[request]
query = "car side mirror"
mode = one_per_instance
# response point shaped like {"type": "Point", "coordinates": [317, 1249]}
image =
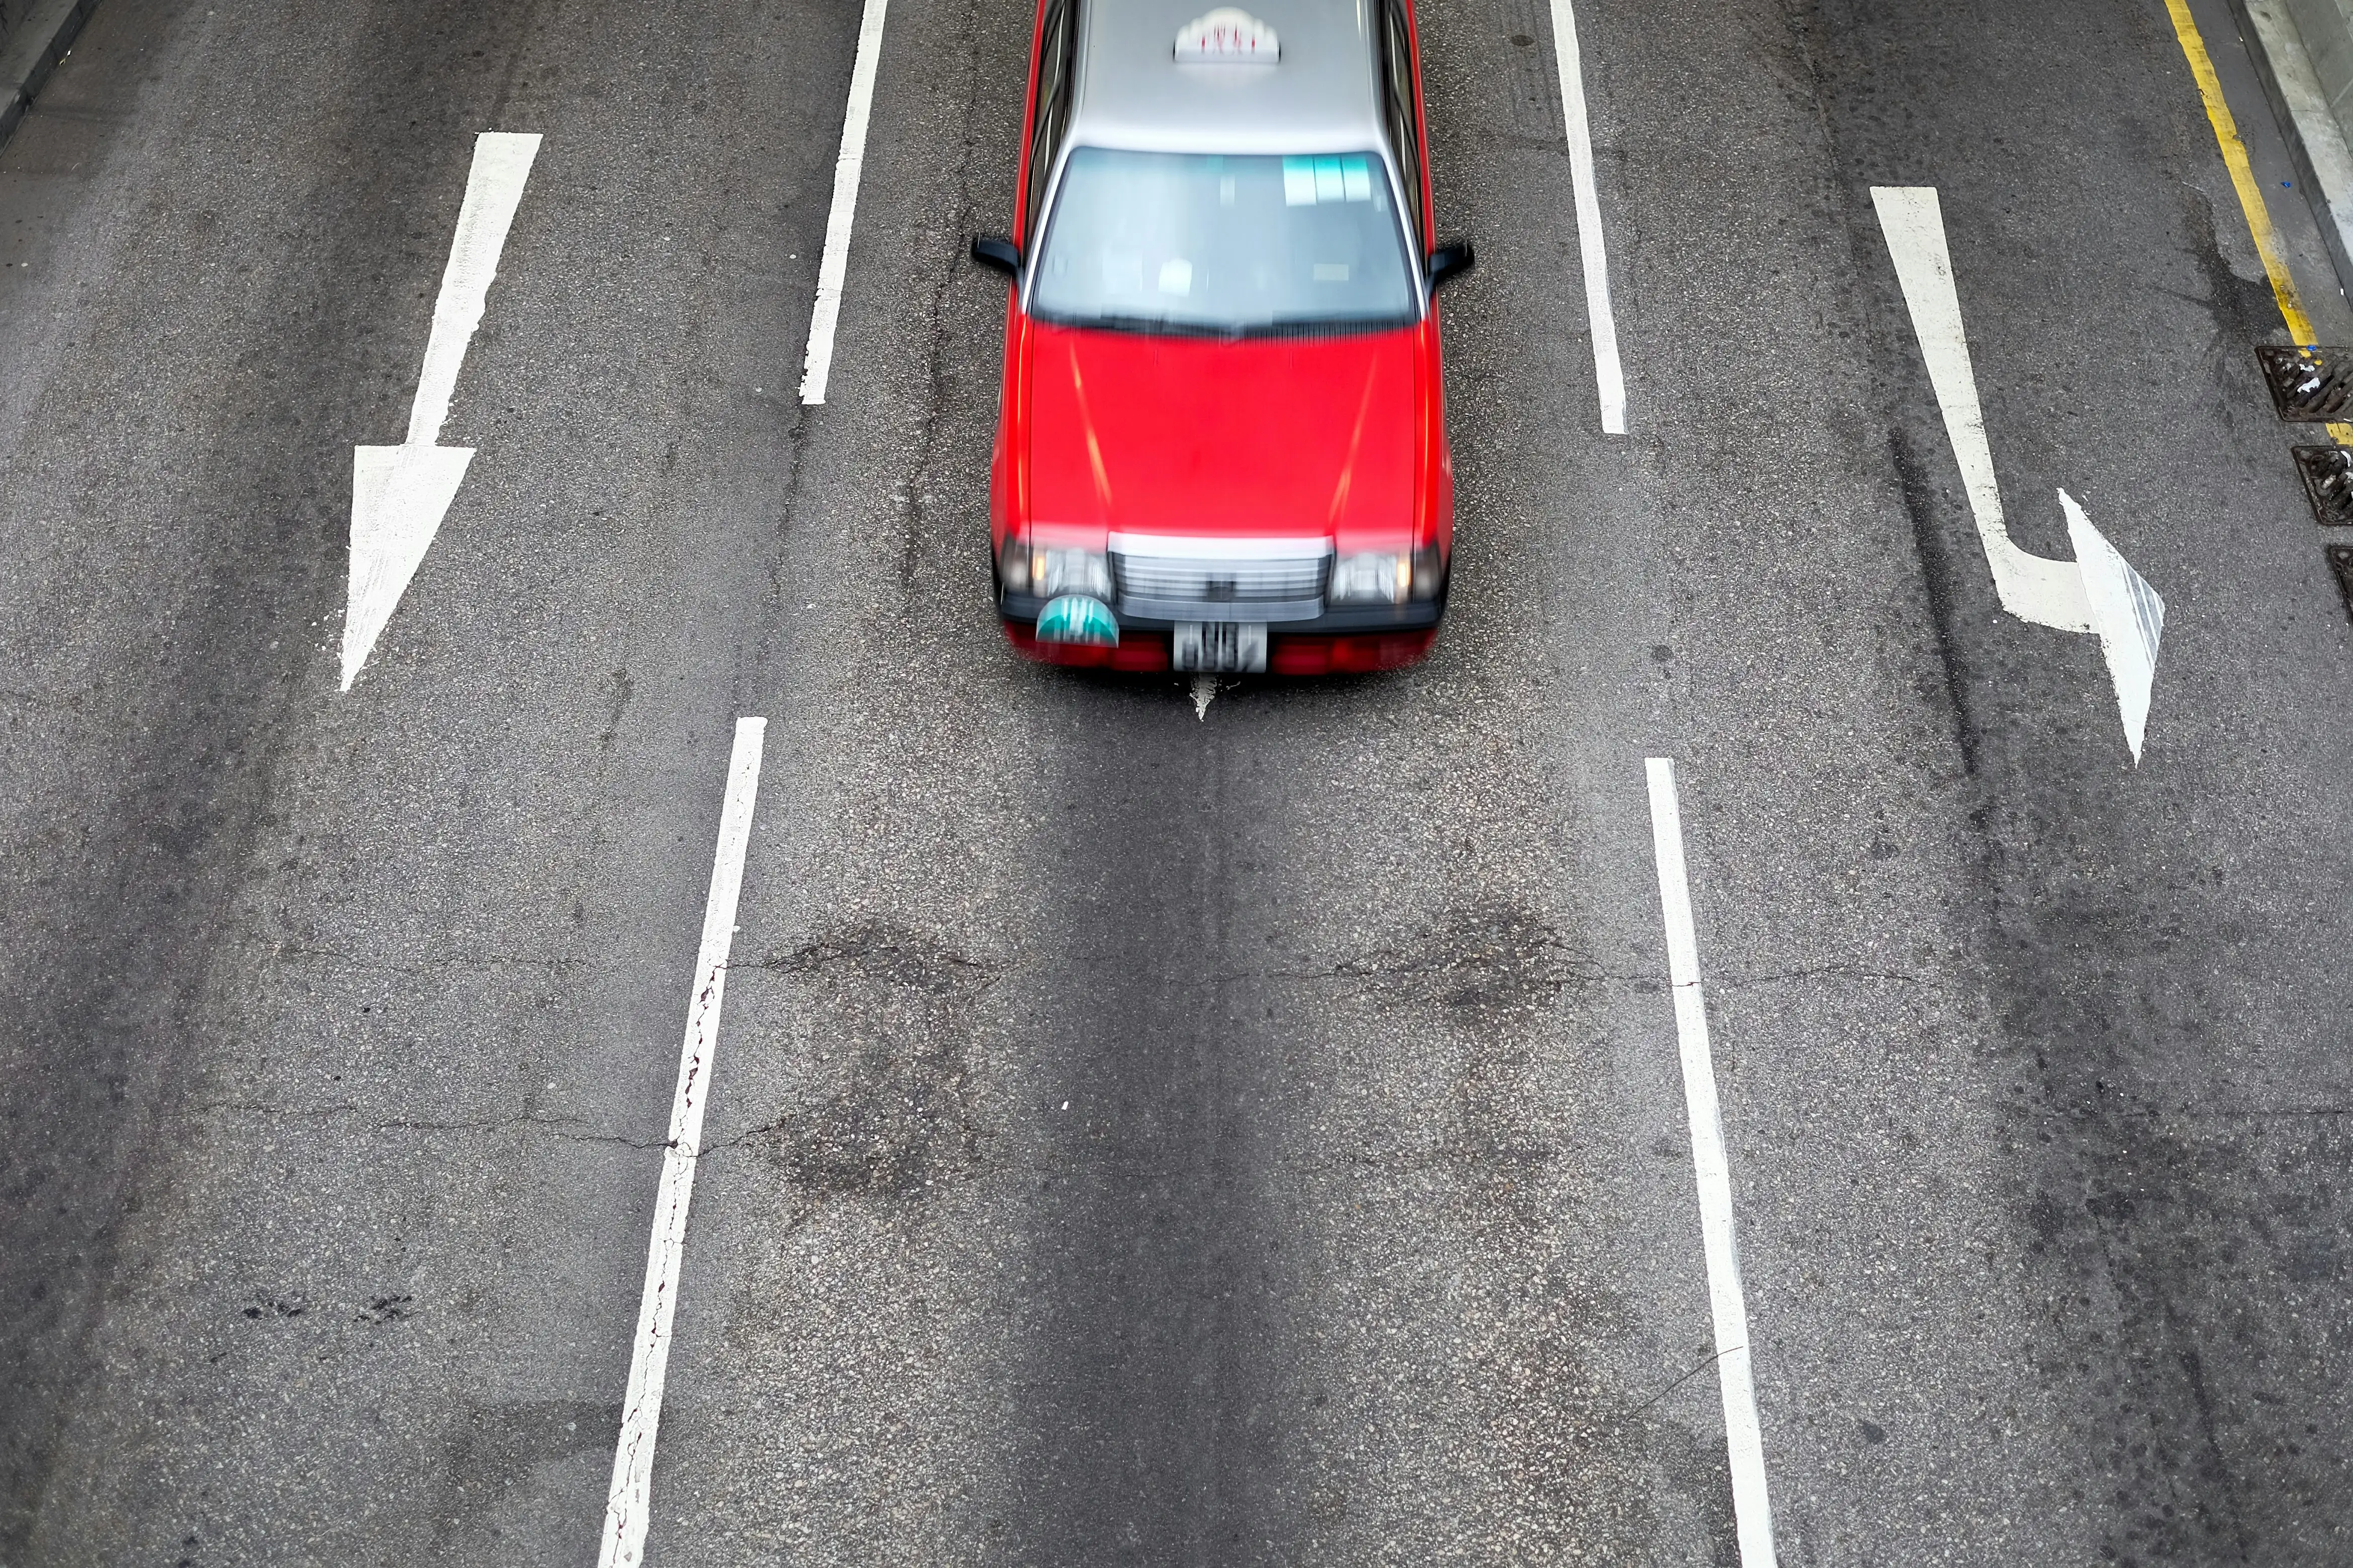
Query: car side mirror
{"type": "Point", "coordinates": [988, 250]}
{"type": "Point", "coordinates": [1450, 261]}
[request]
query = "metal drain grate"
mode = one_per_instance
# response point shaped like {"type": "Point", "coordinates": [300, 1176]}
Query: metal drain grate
{"type": "Point", "coordinates": [2309, 385]}
{"type": "Point", "coordinates": [2327, 483]}
{"type": "Point", "coordinates": [2340, 561]}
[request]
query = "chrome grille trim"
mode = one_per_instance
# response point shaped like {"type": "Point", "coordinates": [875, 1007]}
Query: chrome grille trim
{"type": "Point", "coordinates": [1240, 582]}
{"type": "Point", "coordinates": [1211, 547]}
{"type": "Point", "coordinates": [1180, 578]}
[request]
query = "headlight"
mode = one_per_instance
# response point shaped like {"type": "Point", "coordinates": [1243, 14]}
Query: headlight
{"type": "Point", "coordinates": [1428, 571]}
{"type": "Point", "coordinates": [1371, 578]}
{"type": "Point", "coordinates": [1385, 577]}
{"type": "Point", "coordinates": [1013, 567]}
{"type": "Point", "coordinates": [1051, 572]}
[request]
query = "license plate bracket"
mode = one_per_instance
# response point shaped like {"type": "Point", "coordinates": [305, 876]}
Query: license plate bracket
{"type": "Point", "coordinates": [1237, 647]}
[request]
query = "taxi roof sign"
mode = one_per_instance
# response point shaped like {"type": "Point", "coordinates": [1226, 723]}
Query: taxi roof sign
{"type": "Point", "coordinates": [1227, 36]}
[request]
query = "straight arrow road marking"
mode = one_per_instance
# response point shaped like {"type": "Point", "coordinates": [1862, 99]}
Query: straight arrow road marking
{"type": "Point", "coordinates": [400, 494]}
{"type": "Point", "coordinates": [2097, 592]}
{"type": "Point", "coordinates": [627, 1505]}
{"type": "Point", "coordinates": [833, 266]}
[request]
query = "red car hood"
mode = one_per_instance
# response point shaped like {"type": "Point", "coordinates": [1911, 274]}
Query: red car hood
{"type": "Point", "coordinates": [1285, 437]}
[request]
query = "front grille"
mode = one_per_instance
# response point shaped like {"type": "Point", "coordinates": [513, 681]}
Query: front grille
{"type": "Point", "coordinates": [1195, 577]}
{"type": "Point", "coordinates": [1191, 588]}
{"type": "Point", "coordinates": [1234, 582]}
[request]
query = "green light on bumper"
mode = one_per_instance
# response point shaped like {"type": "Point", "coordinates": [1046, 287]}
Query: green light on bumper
{"type": "Point", "coordinates": [1074, 617]}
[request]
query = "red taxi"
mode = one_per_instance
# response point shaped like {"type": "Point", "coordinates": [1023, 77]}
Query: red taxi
{"type": "Point", "coordinates": [1222, 440]}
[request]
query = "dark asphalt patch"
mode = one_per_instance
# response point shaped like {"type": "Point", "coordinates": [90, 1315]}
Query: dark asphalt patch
{"type": "Point", "coordinates": [496, 1459]}
{"type": "Point", "coordinates": [1162, 1402]}
{"type": "Point", "coordinates": [898, 1120]}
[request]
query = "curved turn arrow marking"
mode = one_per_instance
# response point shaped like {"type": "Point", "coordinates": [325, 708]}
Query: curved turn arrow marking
{"type": "Point", "coordinates": [2097, 592]}
{"type": "Point", "coordinates": [400, 494]}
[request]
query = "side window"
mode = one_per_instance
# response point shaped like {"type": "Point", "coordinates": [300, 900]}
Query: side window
{"type": "Point", "coordinates": [1401, 109]}
{"type": "Point", "coordinates": [1054, 40]}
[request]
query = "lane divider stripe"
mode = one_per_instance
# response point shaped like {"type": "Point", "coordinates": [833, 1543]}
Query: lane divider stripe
{"type": "Point", "coordinates": [834, 266]}
{"type": "Point", "coordinates": [1606, 370]}
{"type": "Point", "coordinates": [1744, 1443]}
{"type": "Point", "coordinates": [626, 1516]}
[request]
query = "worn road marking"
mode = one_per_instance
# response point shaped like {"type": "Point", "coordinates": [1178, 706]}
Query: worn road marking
{"type": "Point", "coordinates": [1592, 251]}
{"type": "Point", "coordinates": [2096, 591]}
{"type": "Point", "coordinates": [400, 494]}
{"type": "Point", "coordinates": [834, 266]}
{"type": "Point", "coordinates": [626, 1516]}
{"type": "Point", "coordinates": [2242, 180]}
{"type": "Point", "coordinates": [1744, 1443]}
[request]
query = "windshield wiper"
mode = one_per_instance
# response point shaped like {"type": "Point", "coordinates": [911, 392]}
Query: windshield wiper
{"type": "Point", "coordinates": [1331, 323]}
{"type": "Point", "coordinates": [1172, 326]}
{"type": "Point", "coordinates": [1292, 326]}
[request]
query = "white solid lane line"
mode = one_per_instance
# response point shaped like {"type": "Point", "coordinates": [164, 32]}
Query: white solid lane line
{"type": "Point", "coordinates": [1606, 370]}
{"type": "Point", "coordinates": [624, 1542]}
{"type": "Point", "coordinates": [400, 494]}
{"type": "Point", "coordinates": [1744, 1443]}
{"type": "Point", "coordinates": [834, 266]}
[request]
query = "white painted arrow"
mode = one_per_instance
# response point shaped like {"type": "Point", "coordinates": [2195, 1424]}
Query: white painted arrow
{"type": "Point", "coordinates": [399, 494]}
{"type": "Point", "coordinates": [2097, 592]}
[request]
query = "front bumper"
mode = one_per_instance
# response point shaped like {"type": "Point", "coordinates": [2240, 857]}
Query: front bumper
{"type": "Point", "coordinates": [1344, 639]}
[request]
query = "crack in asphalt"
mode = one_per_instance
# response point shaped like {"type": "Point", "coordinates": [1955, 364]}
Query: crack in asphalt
{"type": "Point", "coordinates": [433, 963]}
{"type": "Point", "coordinates": [564, 1127]}
{"type": "Point", "coordinates": [1734, 981]}
{"type": "Point", "coordinates": [1704, 1364]}
{"type": "Point", "coordinates": [913, 501]}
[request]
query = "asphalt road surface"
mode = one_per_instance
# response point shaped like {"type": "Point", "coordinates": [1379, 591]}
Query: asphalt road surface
{"type": "Point", "coordinates": [1141, 1133]}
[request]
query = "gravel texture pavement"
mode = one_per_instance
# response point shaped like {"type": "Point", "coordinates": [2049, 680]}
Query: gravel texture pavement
{"type": "Point", "coordinates": [1143, 1134]}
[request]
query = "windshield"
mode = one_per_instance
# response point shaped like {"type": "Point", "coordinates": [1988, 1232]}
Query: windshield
{"type": "Point", "coordinates": [1188, 242]}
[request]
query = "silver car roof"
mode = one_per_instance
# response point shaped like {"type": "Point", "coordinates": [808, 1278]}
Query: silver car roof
{"type": "Point", "coordinates": [1322, 97]}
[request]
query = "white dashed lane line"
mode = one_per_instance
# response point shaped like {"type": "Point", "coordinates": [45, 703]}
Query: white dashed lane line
{"type": "Point", "coordinates": [834, 266]}
{"type": "Point", "coordinates": [1744, 1443]}
{"type": "Point", "coordinates": [624, 1542]}
{"type": "Point", "coordinates": [1594, 253]}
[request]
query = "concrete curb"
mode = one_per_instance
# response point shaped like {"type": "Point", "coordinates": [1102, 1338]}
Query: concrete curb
{"type": "Point", "coordinates": [32, 51]}
{"type": "Point", "coordinates": [2315, 141]}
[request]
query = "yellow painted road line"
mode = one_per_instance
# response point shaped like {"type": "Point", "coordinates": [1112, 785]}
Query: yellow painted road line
{"type": "Point", "coordinates": [2243, 177]}
{"type": "Point", "coordinates": [2234, 157]}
